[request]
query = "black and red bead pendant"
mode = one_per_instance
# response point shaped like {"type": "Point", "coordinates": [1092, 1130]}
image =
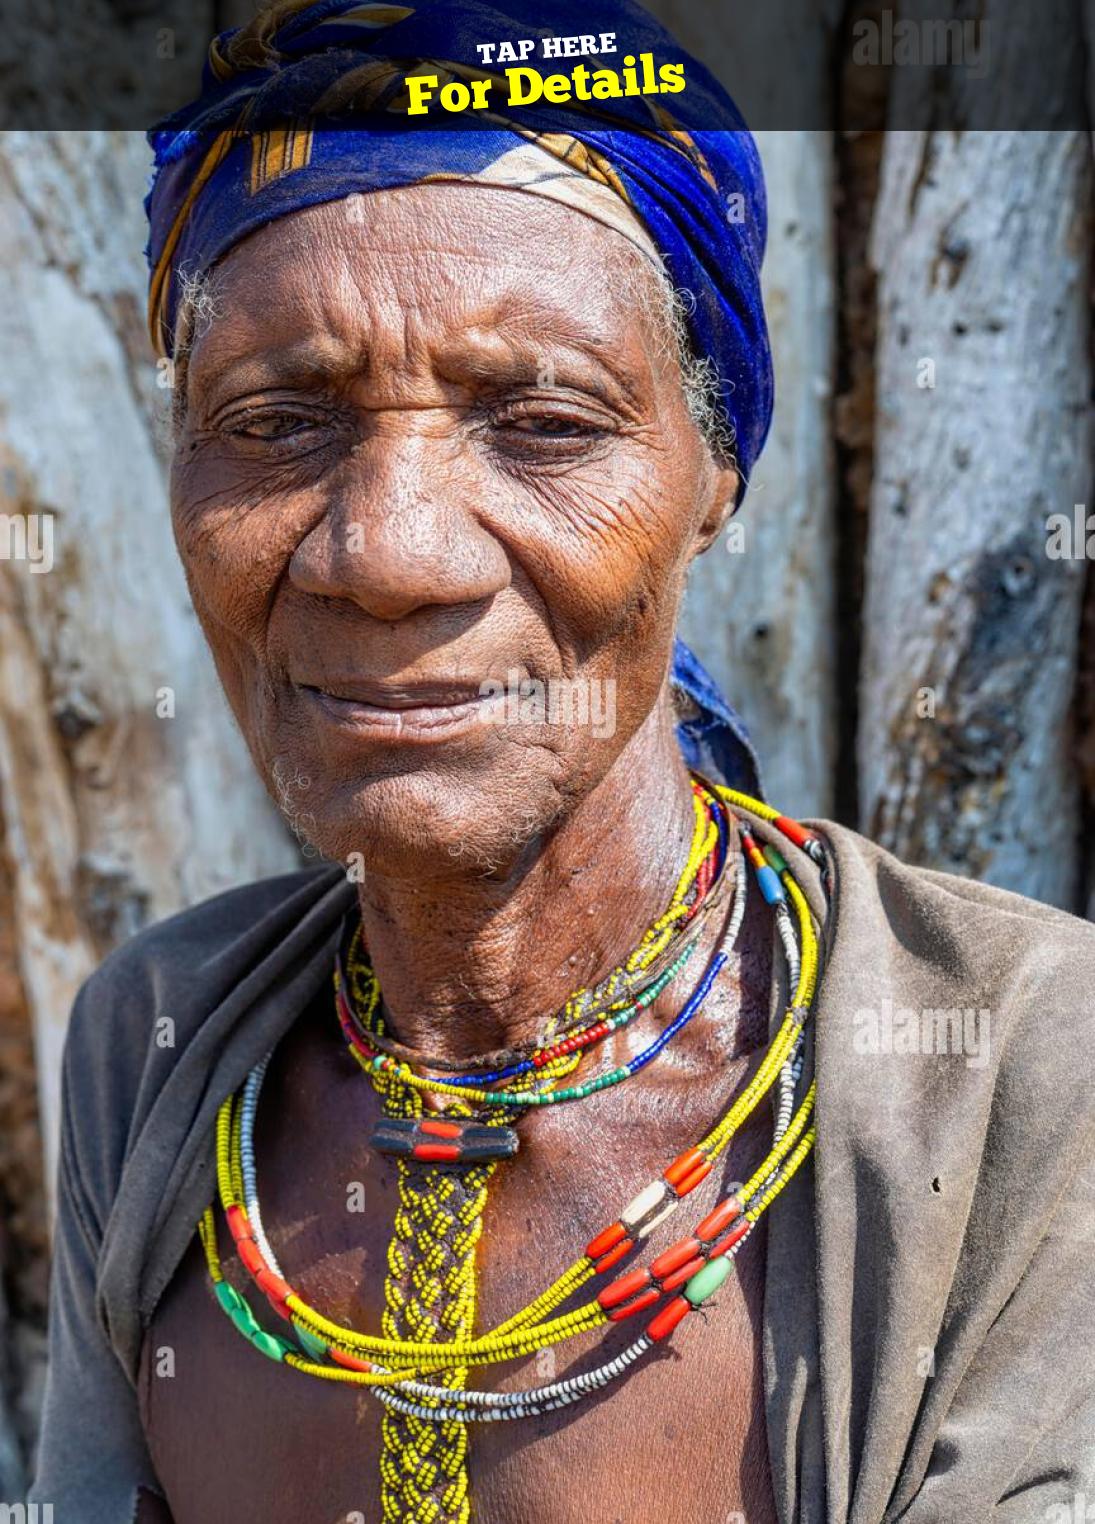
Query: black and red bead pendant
{"type": "Point", "coordinates": [433, 1141]}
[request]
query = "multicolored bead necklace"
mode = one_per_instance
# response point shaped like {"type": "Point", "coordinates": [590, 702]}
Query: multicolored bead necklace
{"type": "Point", "coordinates": [419, 1364]}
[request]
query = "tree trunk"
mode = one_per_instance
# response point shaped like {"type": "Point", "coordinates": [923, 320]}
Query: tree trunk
{"type": "Point", "coordinates": [760, 604]}
{"type": "Point", "coordinates": [982, 246]}
{"type": "Point", "coordinates": [125, 790]}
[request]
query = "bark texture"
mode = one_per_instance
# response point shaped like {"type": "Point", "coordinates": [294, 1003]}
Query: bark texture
{"type": "Point", "coordinates": [760, 608]}
{"type": "Point", "coordinates": [126, 791]}
{"type": "Point", "coordinates": [982, 247]}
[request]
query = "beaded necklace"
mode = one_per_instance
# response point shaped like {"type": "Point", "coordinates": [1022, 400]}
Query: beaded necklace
{"type": "Point", "coordinates": [696, 897]}
{"type": "Point", "coordinates": [429, 1417]}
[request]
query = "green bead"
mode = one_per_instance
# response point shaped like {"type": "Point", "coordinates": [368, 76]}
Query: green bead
{"type": "Point", "coordinates": [270, 1345]}
{"type": "Point", "coordinates": [237, 1309]}
{"type": "Point", "coordinates": [707, 1281]}
{"type": "Point", "coordinates": [245, 1321]}
{"type": "Point", "coordinates": [776, 859]}
{"type": "Point", "coordinates": [229, 1298]}
{"type": "Point", "coordinates": [310, 1342]}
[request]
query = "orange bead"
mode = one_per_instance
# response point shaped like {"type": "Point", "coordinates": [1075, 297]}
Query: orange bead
{"type": "Point", "coordinates": [351, 1362]}
{"type": "Point", "coordinates": [674, 1257]}
{"type": "Point", "coordinates": [683, 1165]}
{"type": "Point", "coordinates": [664, 1322]}
{"type": "Point", "coordinates": [276, 1291]}
{"type": "Point", "coordinates": [625, 1286]}
{"type": "Point", "coordinates": [616, 1255]}
{"type": "Point", "coordinates": [250, 1254]}
{"type": "Point", "coordinates": [647, 1299]}
{"type": "Point", "coordinates": [722, 1216]}
{"type": "Point", "coordinates": [793, 831]}
{"type": "Point", "coordinates": [697, 1177]}
{"type": "Point", "coordinates": [607, 1239]}
{"type": "Point", "coordinates": [436, 1153]}
{"type": "Point", "coordinates": [237, 1223]}
{"type": "Point", "coordinates": [734, 1236]}
{"type": "Point", "coordinates": [684, 1273]}
{"type": "Point", "coordinates": [440, 1129]}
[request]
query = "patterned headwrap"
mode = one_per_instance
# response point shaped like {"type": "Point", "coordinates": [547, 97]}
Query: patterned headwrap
{"type": "Point", "coordinates": [307, 105]}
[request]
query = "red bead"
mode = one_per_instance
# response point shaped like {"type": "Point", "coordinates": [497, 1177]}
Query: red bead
{"type": "Point", "coordinates": [793, 831]}
{"type": "Point", "coordinates": [685, 1273]}
{"type": "Point", "coordinates": [647, 1299]}
{"type": "Point", "coordinates": [607, 1239]}
{"type": "Point", "coordinates": [722, 1216]}
{"type": "Point", "coordinates": [351, 1362]}
{"type": "Point", "coordinates": [436, 1153]}
{"type": "Point", "coordinates": [237, 1223]}
{"type": "Point", "coordinates": [441, 1129]}
{"type": "Point", "coordinates": [624, 1287]}
{"type": "Point", "coordinates": [734, 1236]}
{"type": "Point", "coordinates": [276, 1291]}
{"type": "Point", "coordinates": [697, 1177]}
{"type": "Point", "coordinates": [664, 1322]}
{"type": "Point", "coordinates": [616, 1255]}
{"type": "Point", "coordinates": [674, 1256]}
{"type": "Point", "coordinates": [684, 1164]}
{"type": "Point", "coordinates": [249, 1253]}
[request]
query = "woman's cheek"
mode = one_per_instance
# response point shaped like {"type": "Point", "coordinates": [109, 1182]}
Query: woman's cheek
{"type": "Point", "coordinates": [601, 549]}
{"type": "Point", "coordinates": [235, 543]}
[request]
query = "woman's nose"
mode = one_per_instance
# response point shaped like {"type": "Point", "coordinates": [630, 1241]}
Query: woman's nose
{"type": "Point", "coordinates": [401, 531]}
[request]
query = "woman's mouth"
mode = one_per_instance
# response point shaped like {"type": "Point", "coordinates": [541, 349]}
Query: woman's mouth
{"type": "Point", "coordinates": [407, 712]}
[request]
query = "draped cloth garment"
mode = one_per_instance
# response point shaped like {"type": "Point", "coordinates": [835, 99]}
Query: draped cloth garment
{"type": "Point", "coordinates": [929, 1314]}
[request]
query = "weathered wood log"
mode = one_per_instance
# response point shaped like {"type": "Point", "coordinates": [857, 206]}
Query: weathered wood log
{"type": "Point", "coordinates": [127, 790]}
{"type": "Point", "coordinates": [760, 605]}
{"type": "Point", "coordinates": [982, 244]}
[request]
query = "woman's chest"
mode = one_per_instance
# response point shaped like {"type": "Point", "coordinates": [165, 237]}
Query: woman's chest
{"type": "Point", "coordinates": [679, 1437]}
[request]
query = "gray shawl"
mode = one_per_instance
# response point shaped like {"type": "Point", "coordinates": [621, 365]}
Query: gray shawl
{"type": "Point", "coordinates": [929, 1337]}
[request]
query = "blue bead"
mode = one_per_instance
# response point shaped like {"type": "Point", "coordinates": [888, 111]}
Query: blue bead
{"type": "Point", "coordinates": [770, 886]}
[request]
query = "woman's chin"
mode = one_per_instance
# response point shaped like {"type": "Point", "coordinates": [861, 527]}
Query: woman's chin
{"type": "Point", "coordinates": [435, 814]}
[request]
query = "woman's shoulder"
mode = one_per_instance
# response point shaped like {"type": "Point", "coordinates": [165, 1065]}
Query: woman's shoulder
{"type": "Point", "coordinates": [976, 994]}
{"type": "Point", "coordinates": [203, 947]}
{"type": "Point", "coordinates": [947, 916]}
{"type": "Point", "coordinates": [162, 1008]}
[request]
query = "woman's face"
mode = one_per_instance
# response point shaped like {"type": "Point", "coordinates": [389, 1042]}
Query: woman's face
{"type": "Point", "coordinates": [433, 447]}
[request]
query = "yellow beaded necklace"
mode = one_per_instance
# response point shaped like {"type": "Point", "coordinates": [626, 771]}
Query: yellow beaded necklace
{"type": "Point", "coordinates": [419, 1363]}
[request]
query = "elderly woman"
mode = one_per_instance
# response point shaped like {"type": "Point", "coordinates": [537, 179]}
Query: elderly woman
{"type": "Point", "coordinates": [391, 1189]}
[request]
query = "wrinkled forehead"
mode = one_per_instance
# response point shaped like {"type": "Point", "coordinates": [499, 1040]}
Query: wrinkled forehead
{"type": "Point", "coordinates": [491, 271]}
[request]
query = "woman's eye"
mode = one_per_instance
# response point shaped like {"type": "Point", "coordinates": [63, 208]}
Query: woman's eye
{"type": "Point", "coordinates": [547, 425]}
{"type": "Point", "coordinates": [271, 426]}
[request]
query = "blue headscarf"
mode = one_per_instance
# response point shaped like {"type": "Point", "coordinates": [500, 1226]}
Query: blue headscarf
{"type": "Point", "coordinates": [310, 111]}
{"type": "Point", "coordinates": [307, 105]}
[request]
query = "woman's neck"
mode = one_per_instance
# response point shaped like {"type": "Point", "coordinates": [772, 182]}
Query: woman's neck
{"type": "Point", "coordinates": [476, 964]}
